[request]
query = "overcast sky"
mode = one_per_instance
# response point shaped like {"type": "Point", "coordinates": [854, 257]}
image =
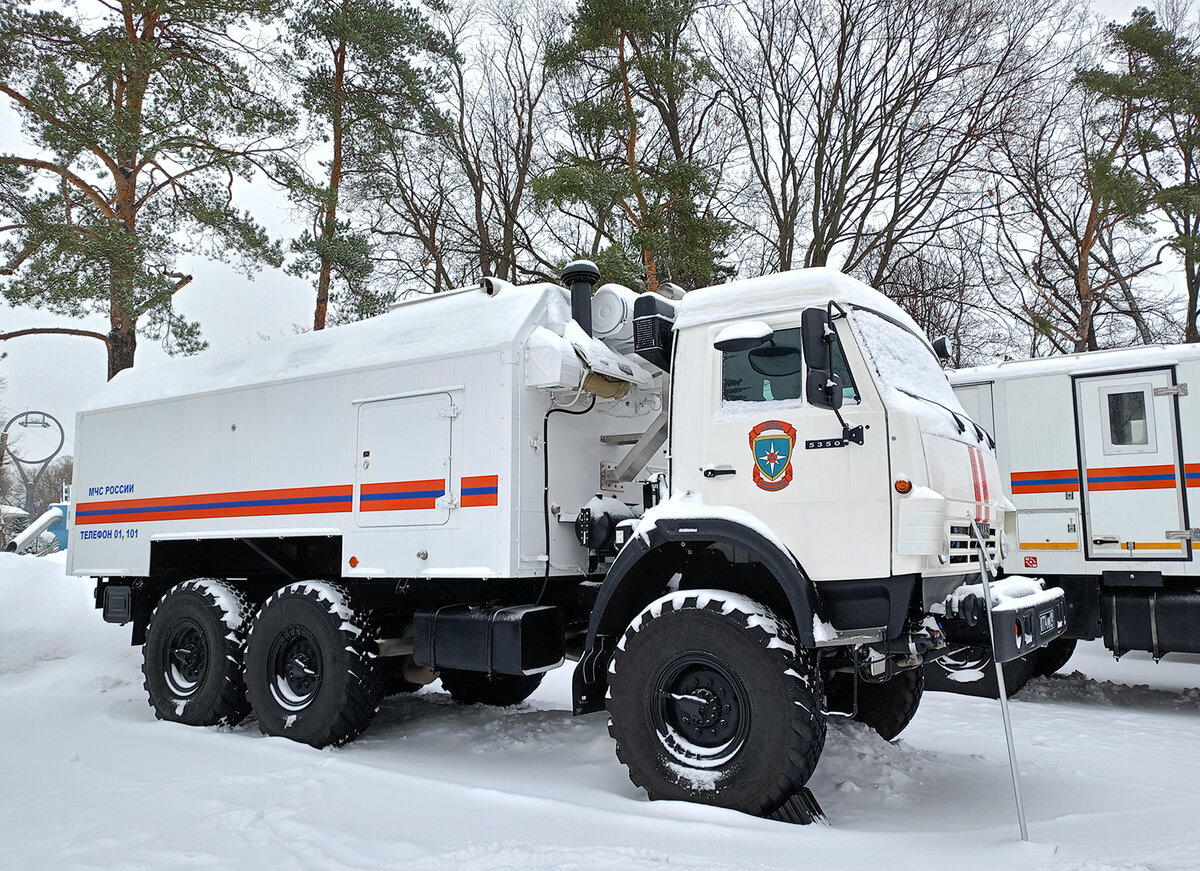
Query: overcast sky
{"type": "Point", "coordinates": [57, 374]}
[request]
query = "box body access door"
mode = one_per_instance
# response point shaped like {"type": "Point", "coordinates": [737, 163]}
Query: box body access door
{"type": "Point", "coordinates": [403, 465]}
{"type": "Point", "coordinates": [1131, 478]}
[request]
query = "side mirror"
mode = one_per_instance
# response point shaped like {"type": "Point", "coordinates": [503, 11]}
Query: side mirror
{"type": "Point", "coordinates": [823, 389]}
{"type": "Point", "coordinates": [743, 336]}
{"type": "Point", "coordinates": [814, 326]}
{"type": "Point", "coordinates": [943, 347]}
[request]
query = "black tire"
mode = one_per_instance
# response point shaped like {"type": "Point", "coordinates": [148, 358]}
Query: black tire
{"type": "Point", "coordinates": [886, 707]}
{"type": "Point", "coordinates": [311, 672]}
{"type": "Point", "coordinates": [712, 700]}
{"type": "Point", "coordinates": [976, 664]}
{"type": "Point", "coordinates": [501, 690]}
{"type": "Point", "coordinates": [1054, 656]}
{"type": "Point", "coordinates": [394, 681]}
{"type": "Point", "coordinates": [192, 658]}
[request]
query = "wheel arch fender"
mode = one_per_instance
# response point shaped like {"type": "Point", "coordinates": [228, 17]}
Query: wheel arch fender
{"type": "Point", "coordinates": [645, 566]}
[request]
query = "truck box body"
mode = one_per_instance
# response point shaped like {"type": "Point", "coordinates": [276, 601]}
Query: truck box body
{"type": "Point", "coordinates": [413, 438]}
{"type": "Point", "coordinates": [1100, 454]}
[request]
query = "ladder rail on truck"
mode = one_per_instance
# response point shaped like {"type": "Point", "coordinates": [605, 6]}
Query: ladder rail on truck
{"type": "Point", "coordinates": [1099, 455]}
{"type": "Point", "coordinates": [742, 512]}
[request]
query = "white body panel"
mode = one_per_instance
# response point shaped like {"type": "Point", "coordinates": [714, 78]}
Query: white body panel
{"type": "Point", "coordinates": [422, 451]}
{"type": "Point", "coordinates": [1101, 457]}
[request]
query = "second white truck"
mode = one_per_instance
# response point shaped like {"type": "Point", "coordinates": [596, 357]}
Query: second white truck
{"type": "Point", "coordinates": [1100, 454]}
{"type": "Point", "coordinates": [741, 512]}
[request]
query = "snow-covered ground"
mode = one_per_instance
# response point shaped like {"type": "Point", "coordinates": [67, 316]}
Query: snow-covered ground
{"type": "Point", "coordinates": [1110, 767]}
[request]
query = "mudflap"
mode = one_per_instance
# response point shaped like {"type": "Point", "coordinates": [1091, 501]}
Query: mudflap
{"type": "Point", "coordinates": [801, 809]}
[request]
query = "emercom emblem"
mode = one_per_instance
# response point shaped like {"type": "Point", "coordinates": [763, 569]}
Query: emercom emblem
{"type": "Point", "coordinates": [772, 442]}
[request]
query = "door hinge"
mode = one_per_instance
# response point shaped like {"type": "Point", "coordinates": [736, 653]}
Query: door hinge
{"type": "Point", "coordinates": [1173, 390]}
{"type": "Point", "coordinates": [1192, 534]}
{"type": "Point", "coordinates": [449, 412]}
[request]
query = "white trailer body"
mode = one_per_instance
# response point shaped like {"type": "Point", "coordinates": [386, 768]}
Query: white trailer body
{"type": "Point", "coordinates": [1100, 454]}
{"type": "Point", "coordinates": [472, 488]}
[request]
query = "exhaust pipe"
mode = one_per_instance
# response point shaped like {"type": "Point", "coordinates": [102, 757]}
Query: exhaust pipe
{"type": "Point", "coordinates": [581, 276]}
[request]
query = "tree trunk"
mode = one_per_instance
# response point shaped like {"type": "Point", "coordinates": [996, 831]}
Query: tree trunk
{"type": "Point", "coordinates": [1191, 272]}
{"type": "Point", "coordinates": [329, 214]}
{"type": "Point", "coordinates": [122, 344]}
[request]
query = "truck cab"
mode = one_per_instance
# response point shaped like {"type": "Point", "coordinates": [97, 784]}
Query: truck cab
{"type": "Point", "coordinates": [830, 495]}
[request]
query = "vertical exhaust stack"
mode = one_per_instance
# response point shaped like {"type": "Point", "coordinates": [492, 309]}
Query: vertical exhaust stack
{"type": "Point", "coordinates": [581, 276]}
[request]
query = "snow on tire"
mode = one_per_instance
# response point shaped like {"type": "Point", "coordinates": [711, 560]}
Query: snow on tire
{"type": "Point", "coordinates": [712, 700]}
{"type": "Point", "coordinates": [192, 658]}
{"type": "Point", "coordinates": [311, 666]}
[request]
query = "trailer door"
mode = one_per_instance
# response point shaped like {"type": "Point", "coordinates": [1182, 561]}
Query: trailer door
{"type": "Point", "coordinates": [403, 461]}
{"type": "Point", "coordinates": [1129, 452]}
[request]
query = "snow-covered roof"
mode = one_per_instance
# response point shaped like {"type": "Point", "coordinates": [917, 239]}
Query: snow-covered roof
{"type": "Point", "coordinates": [8, 511]}
{"type": "Point", "coordinates": [1143, 357]}
{"type": "Point", "coordinates": [784, 291]}
{"type": "Point", "coordinates": [438, 326]}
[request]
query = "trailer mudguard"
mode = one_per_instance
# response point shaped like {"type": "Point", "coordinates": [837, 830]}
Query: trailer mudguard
{"type": "Point", "coordinates": [646, 564]}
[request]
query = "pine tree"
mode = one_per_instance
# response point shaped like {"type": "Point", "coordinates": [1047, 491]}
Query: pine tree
{"type": "Point", "coordinates": [640, 167]}
{"type": "Point", "coordinates": [140, 115]}
{"type": "Point", "coordinates": [1159, 76]}
{"type": "Point", "coordinates": [361, 89]}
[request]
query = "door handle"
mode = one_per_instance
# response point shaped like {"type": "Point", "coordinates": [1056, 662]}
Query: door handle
{"type": "Point", "coordinates": [716, 471]}
{"type": "Point", "coordinates": [1106, 539]}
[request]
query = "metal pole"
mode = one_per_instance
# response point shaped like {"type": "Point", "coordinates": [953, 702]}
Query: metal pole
{"type": "Point", "coordinates": [985, 570]}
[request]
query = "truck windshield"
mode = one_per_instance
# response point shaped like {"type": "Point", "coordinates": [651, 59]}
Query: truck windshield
{"type": "Point", "coordinates": [904, 362]}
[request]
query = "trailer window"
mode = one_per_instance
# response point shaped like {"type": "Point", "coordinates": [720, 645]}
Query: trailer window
{"type": "Point", "coordinates": [1127, 418]}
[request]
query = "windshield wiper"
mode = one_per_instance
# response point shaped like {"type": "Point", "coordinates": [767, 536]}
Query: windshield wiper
{"type": "Point", "coordinates": [981, 434]}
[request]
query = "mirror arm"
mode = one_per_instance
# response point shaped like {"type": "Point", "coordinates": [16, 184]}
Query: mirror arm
{"type": "Point", "coordinates": [849, 433]}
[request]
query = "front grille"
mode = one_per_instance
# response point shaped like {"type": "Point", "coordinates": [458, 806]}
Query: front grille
{"type": "Point", "coordinates": [964, 548]}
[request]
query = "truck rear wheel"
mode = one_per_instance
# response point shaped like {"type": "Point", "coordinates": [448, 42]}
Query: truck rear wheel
{"type": "Point", "coordinates": [311, 673]}
{"type": "Point", "coordinates": [886, 707]}
{"type": "Point", "coordinates": [501, 690]}
{"type": "Point", "coordinates": [192, 658]}
{"type": "Point", "coordinates": [713, 701]}
{"type": "Point", "coordinates": [1054, 656]}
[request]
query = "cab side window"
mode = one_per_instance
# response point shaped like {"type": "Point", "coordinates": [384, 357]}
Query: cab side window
{"type": "Point", "coordinates": [764, 374]}
{"type": "Point", "coordinates": [840, 369]}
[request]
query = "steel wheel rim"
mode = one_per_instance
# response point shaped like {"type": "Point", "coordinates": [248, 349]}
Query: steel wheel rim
{"type": "Point", "coordinates": [700, 710]}
{"type": "Point", "coordinates": [295, 668]}
{"type": "Point", "coordinates": [187, 658]}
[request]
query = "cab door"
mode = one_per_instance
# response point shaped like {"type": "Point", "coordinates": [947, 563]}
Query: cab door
{"type": "Point", "coordinates": [768, 452]}
{"type": "Point", "coordinates": [1129, 450]}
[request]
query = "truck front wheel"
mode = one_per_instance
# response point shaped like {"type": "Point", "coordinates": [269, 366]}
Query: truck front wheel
{"type": "Point", "coordinates": [192, 658]}
{"type": "Point", "coordinates": [311, 672]}
{"type": "Point", "coordinates": [886, 707]}
{"type": "Point", "coordinates": [713, 701]}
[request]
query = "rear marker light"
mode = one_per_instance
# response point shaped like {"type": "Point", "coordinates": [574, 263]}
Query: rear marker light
{"type": "Point", "coordinates": [903, 486]}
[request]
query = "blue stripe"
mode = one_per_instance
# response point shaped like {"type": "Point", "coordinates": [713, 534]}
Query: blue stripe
{"type": "Point", "coordinates": [1043, 481]}
{"type": "Point", "coordinates": [407, 494]}
{"type": "Point", "coordinates": [208, 506]}
{"type": "Point", "coordinates": [1109, 479]}
{"type": "Point", "coordinates": [479, 491]}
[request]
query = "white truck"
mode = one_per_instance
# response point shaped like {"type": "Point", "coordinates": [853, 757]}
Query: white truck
{"type": "Point", "coordinates": [473, 488]}
{"type": "Point", "coordinates": [1100, 454]}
